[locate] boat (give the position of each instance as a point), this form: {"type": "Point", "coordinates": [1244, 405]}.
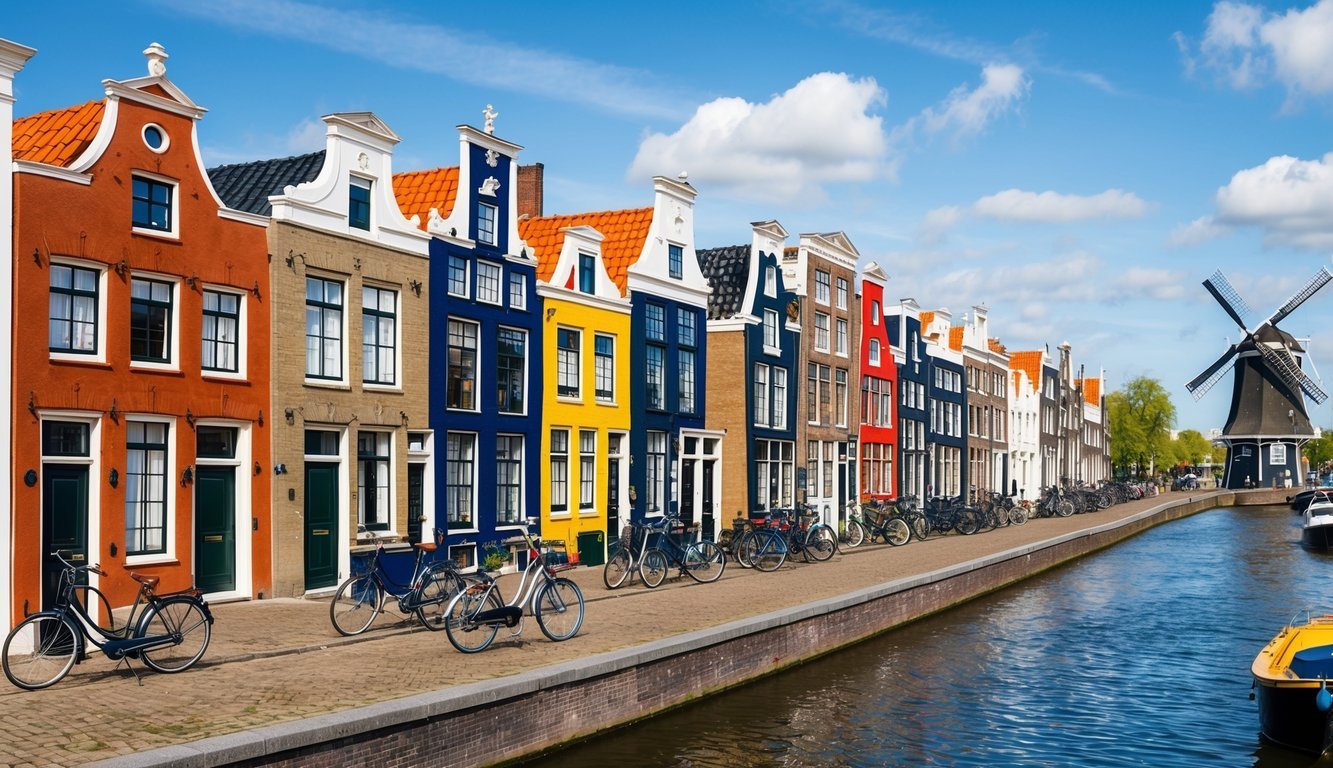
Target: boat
{"type": "Point", "coordinates": [1291, 677]}
{"type": "Point", "coordinates": [1317, 530]}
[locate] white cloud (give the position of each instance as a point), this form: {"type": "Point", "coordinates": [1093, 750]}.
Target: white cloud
{"type": "Point", "coordinates": [937, 223]}
{"type": "Point", "coordinates": [782, 150]}
{"type": "Point", "coordinates": [1288, 199]}
{"type": "Point", "coordinates": [966, 112]}
{"type": "Point", "coordinates": [1247, 46]}
{"type": "Point", "coordinates": [1146, 282]}
{"type": "Point", "coordinates": [307, 136]}
{"type": "Point", "coordinates": [1197, 232]}
{"type": "Point", "coordinates": [1053, 207]}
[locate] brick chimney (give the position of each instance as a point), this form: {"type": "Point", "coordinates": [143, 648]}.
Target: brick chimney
{"type": "Point", "coordinates": [530, 193]}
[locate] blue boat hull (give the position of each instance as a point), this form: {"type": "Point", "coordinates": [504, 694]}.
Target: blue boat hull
{"type": "Point", "coordinates": [1288, 716]}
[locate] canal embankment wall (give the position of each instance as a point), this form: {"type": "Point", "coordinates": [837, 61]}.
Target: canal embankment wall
{"type": "Point", "coordinates": [507, 718]}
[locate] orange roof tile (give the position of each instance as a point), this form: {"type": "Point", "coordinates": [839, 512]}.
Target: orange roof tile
{"type": "Point", "coordinates": [57, 137]}
{"type": "Point", "coordinates": [995, 346]}
{"type": "Point", "coordinates": [420, 191]}
{"type": "Point", "coordinates": [1029, 363]}
{"type": "Point", "coordinates": [956, 337]}
{"type": "Point", "coordinates": [1092, 391]}
{"type": "Point", "coordinates": [624, 231]}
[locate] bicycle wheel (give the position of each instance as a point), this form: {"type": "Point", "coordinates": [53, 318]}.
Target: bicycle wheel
{"type": "Point", "coordinates": [182, 617]}
{"type": "Point", "coordinates": [40, 651]}
{"type": "Point", "coordinates": [738, 548]}
{"type": "Point", "coordinates": [766, 551]}
{"type": "Point", "coordinates": [966, 523]}
{"type": "Point", "coordinates": [617, 570]}
{"type": "Point", "coordinates": [1064, 508]}
{"type": "Point", "coordinates": [1018, 515]}
{"type": "Point", "coordinates": [820, 543]}
{"type": "Point", "coordinates": [896, 532]}
{"type": "Point", "coordinates": [438, 586]}
{"type": "Point", "coordinates": [358, 601]}
{"type": "Point", "coordinates": [559, 609]}
{"type": "Point", "coordinates": [653, 567]}
{"type": "Point", "coordinates": [856, 533]}
{"type": "Point", "coordinates": [921, 527]}
{"type": "Point", "coordinates": [704, 561]}
{"type": "Point", "coordinates": [464, 632]}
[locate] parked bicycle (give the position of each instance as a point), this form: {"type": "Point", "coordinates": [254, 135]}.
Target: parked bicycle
{"type": "Point", "coordinates": [766, 548]}
{"type": "Point", "coordinates": [363, 596]}
{"type": "Point", "coordinates": [876, 519]}
{"type": "Point", "coordinates": [169, 633]}
{"type": "Point", "coordinates": [701, 560]}
{"type": "Point", "coordinates": [950, 514]}
{"type": "Point", "coordinates": [474, 616]}
{"type": "Point", "coordinates": [624, 562]}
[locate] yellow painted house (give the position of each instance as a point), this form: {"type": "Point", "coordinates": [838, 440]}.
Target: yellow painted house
{"type": "Point", "coordinates": [581, 271]}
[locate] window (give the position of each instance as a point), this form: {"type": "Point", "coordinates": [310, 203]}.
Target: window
{"type": "Point", "coordinates": [826, 470]}
{"type": "Point", "coordinates": [771, 338]}
{"type": "Point", "coordinates": [457, 282]}
{"type": "Point", "coordinates": [567, 362]}
{"type": "Point", "coordinates": [841, 337]}
{"type": "Point", "coordinates": [379, 335]}
{"type": "Point", "coordinates": [152, 204]}
{"type": "Point", "coordinates": [676, 260]}
{"type": "Point", "coordinates": [875, 314]}
{"type": "Point", "coordinates": [821, 332]}
{"type": "Point", "coordinates": [64, 438]}
{"type": "Point", "coordinates": [460, 389]}
{"type": "Point", "coordinates": [842, 293]}
{"type": "Point", "coordinates": [604, 384]}
{"type": "Point", "coordinates": [323, 328]}
{"type": "Point", "coordinates": [372, 480]}
{"type": "Point", "coordinates": [771, 282]}
{"type": "Point", "coordinates": [150, 320]}
{"type": "Point", "coordinates": [587, 469]}
{"type": "Point", "coordinates": [321, 442]}
{"type": "Point", "coordinates": [587, 273]}
{"type": "Point", "coordinates": [654, 376]}
{"type": "Point", "coordinates": [459, 478]}
{"type": "Point", "coordinates": [685, 396]}
{"type": "Point", "coordinates": [1277, 453]}
{"type": "Point", "coordinates": [508, 479]}
{"type": "Point", "coordinates": [145, 488]}
{"type": "Point", "coordinates": [654, 322]}
{"type": "Point", "coordinates": [761, 407]}
{"type": "Point", "coordinates": [656, 472]}
{"type": "Point", "coordinates": [775, 472]}
{"type": "Point", "coordinates": [486, 223]}
{"type": "Point", "coordinates": [488, 282]}
{"type": "Point", "coordinates": [685, 327]}
{"type": "Point", "coordinates": [358, 203]}
{"type": "Point", "coordinates": [779, 398]}
{"type": "Point", "coordinates": [510, 362]}
{"type": "Point", "coordinates": [821, 286]}
{"type": "Point", "coordinates": [840, 391]}
{"type": "Point", "coordinates": [221, 332]}
{"type": "Point", "coordinates": [873, 352]}
{"type": "Point", "coordinates": [559, 457]}
{"type": "Point", "coordinates": [812, 393]}
{"type": "Point", "coordinates": [518, 291]}
{"type": "Point", "coordinates": [73, 313]}
{"type": "Point", "coordinates": [825, 412]}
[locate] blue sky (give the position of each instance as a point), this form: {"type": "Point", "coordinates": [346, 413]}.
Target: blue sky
{"type": "Point", "coordinates": [1077, 168]}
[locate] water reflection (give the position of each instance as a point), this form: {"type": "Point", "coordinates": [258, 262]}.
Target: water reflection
{"type": "Point", "coordinates": [1138, 655]}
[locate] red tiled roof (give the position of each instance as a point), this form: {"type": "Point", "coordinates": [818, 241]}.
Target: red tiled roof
{"type": "Point", "coordinates": [995, 346]}
{"type": "Point", "coordinates": [1092, 391]}
{"type": "Point", "coordinates": [1029, 363]}
{"type": "Point", "coordinates": [624, 231]}
{"type": "Point", "coordinates": [956, 337]}
{"type": "Point", "coordinates": [420, 191]}
{"type": "Point", "coordinates": [59, 136]}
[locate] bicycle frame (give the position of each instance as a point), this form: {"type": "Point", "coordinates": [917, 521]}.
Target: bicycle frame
{"type": "Point", "coordinates": [525, 595]}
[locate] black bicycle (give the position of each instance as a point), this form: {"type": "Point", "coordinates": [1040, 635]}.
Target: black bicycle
{"type": "Point", "coordinates": [363, 596]}
{"type": "Point", "coordinates": [169, 633]}
{"type": "Point", "coordinates": [675, 544]}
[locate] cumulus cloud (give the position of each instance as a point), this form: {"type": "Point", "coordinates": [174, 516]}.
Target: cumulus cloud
{"type": "Point", "coordinates": [821, 130]}
{"type": "Point", "coordinates": [1197, 232]}
{"type": "Point", "coordinates": [966, 112]}
{"type": "Point", "coordinates": [1053, 207]}
{"type": "Point", "coordinates": [1145, 282]}
{"type": "Point", "coordinates": [1247, 46]}
{"type": "Point", "coordinates": [937, 223]}
{"type": "Point", "coordinates": [1288, 199]}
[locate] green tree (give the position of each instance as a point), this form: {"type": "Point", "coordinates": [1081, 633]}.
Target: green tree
{"type": "Point", "coordinates": [1140, 418]}
{"type": "Point", "coordinates": [1319, 451]}
{"type": "Point", "coordinates": [1193, 448]}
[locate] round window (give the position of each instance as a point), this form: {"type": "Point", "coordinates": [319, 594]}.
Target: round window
{"type": "Point", "coordinates": [155, 138]}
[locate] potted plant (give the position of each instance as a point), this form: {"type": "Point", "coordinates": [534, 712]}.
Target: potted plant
{"type": "Point", "coordinates": [495, 558]}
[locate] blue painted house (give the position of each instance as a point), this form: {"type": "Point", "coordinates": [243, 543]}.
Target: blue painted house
{"type": "Point", "coordinates": [911, 355]}
{"type": "Point", "coordinates": [754, 337]}
{"type": "Point", "coordinates": [946, 430]}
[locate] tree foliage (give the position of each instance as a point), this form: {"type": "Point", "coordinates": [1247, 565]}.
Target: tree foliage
{"type": "Point", "coordinates": [1192, 448]}
{"type": "Point", "coordinates": [1140, 418]}
{"type": "Point", "coordinates": [1320, 451]}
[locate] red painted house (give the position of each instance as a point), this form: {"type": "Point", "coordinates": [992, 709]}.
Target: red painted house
{"type": "Point", "coordinates": [879, 387]}
{"type": "Point", "coordinates": [141, 355]}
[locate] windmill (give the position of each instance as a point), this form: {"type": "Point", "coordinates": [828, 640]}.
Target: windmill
{"type": "Point", "coordinates": [1268, 421]}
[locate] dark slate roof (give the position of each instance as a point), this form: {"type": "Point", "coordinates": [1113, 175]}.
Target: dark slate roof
{"type": "Point", "coordinates": [247, 186]}
{"type": "Point", "coordinates": [727, 270]}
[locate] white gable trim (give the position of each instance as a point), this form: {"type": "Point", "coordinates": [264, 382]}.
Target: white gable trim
{"type": "Point", "coordinates": [54, 171]}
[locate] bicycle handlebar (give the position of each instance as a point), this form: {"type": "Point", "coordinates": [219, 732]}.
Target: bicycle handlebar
{"type": "Point", "coordinates": [63, 556]}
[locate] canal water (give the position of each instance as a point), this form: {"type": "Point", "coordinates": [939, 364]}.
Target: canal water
{"type": "Point", "coordinates": [1138, 655]}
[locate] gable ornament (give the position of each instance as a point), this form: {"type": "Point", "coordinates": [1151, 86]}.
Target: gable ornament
{"type": "Point", "coordinates": [489, 114]}
{"type": "Point", "coordinates": [492, 158]}
{"type": "Point", "coordinates": [489, 186]}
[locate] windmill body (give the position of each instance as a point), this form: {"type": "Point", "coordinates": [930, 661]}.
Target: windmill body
{"type": "Point", "coordinates": [1268, 422]}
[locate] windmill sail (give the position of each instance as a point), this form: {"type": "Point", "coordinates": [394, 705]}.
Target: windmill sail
{"type": "Point", "coordinates": [1205, 381]}
{"type": "Point", "coordinates": [1319, 280]}
{"type": "Point", "coordinates": [1231, 302]}
{"type": "Point", "coordinates": [1291, 374]}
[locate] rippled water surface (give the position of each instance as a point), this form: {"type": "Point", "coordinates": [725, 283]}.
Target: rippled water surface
{"type": "Point", "coordinates": [1137, 655]}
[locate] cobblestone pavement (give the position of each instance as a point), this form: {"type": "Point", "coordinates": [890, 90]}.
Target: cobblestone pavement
{"type": "Point", "coordinates": [278, 660]}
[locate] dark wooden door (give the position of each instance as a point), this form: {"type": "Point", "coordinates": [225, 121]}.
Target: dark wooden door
{"type": "Point", "coordinates": [321, 525]}
{"type": "Point", "coordinates": [215, 529]}
{"type": "Point", "coordinates": [64, 523]}
{"type": "Point", "coordinates": [687, 510]}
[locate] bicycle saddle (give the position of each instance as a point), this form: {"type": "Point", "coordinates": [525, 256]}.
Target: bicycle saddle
{"type": "Point", "coordinates": [147, 581]}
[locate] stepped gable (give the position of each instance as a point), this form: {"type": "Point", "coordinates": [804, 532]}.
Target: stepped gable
{"type": "Point", "coordinates": [727, 270]}
{"type": "Point", "coordinates": [1028, 362]}
{"type": "Point", "coordinates": [57, 137]}
{"type": "Point", "coordinates": [1092, 391]}
{"type": "Point", "coordinates": [247, 186]}
{"type": "Point", "coordinates": [956, 338]}
{"type": "Point", "coordinates": [420, 191]}
{"type": "Point", "coordinates": [624, 234]}
{"type": "Point", "coordinates": [995, 346]}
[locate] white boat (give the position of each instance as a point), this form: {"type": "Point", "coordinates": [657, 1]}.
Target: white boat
{"type": "Point", "coordinates": [1317, 530]}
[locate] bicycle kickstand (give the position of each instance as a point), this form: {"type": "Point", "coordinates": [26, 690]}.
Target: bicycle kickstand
{"type": "Point", "coordinates": [126, 661]}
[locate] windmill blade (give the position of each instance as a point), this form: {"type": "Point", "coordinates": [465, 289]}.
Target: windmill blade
{"type": "Point", "coordinates": [1291, 374]}
{"type": "Point", "coordinates": [1319, 280]}
{"type": "Point", "coordinates": [1212, 374]}
{"type": "Point", "coordinates": [1231, 302]}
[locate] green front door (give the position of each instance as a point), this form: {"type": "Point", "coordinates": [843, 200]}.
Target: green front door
{"type": "Point", "coordinates": [214, 529]}
{"type": "Point", "coordinates": [64, 523]}
{"type": "Point", "coordinates": [321, 525]}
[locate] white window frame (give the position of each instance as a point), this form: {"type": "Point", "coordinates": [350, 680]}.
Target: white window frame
{"type": "Point", "coordinates": [98, 356]}
{"type": "Point", "coordinates": [169, 509]}
{"type": "Point", "coordinates": [774, 323]}
{"type": "Point", "coordinates": [491, 268]}
{"type": "Point", "coordinates": [173, 342]}
{"type": "Point", "coordinates": [174, 232]}
{"type": "Point", "coordinates": [242, 335]}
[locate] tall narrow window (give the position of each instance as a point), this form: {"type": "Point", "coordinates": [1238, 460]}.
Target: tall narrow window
{"type": "Point", "coordinates": [358, 203]}
{"type": "Point", "coordinates": [323, 328]}
{"type": "Point", "coordinates": [460, 479]}
{"type": "Point", "coordinates": [685, 395]}
{"type": "Point", "coordinates": [654, 322]}
{"type": "Point", "coordinates": [841, 338]}
{"type": "Point", "coordinates": [152, 204]}
{"type": "Point", "coordinates": [518, 291]}
{"type": "Point", "coordinates": [605, 384]}
{"type": "Point", "coordinates": [779, 398]}
{"type": "Point", "coordinates": [488, 282]}
{"type": "Point", "coordinates": [73, 314]}
{"type": "Point", "coordinates": [150, 320]}
{"type": "Point", "coordinates": [379, 335]}
{"type": "Point", "coordinates": [656, 473]}
{"type": "Point", "coordinates": [372, 480]}
{"type": "Point", "coordinates": [567, 362]}
{"type": "Point", "coordinates": [812, 393]}
{"type": "Point", "coordinates": [771, 342]}
{"type": "Point", "coordinates": [587, 469]}
{"type": "Point", "coordinates": [145, 488]}
{"type": "Point", "coordinates": [587, 273]}
{"type": "Point", "coordinates": [559, 457]}
{"type": "Point", "coordinates": [685, 327]}
{"type": "Point", "coordinates": [510, 365]}
{"type": "Point", "coordinates": [821, 332]}
{"type": "Point", "coordinates": [458, 278]}
{"type": "Point", "coordinates": [675, 260]}
{"type": "Point", "coordinates": [873, 351]}
{"type": "Point", "coordinates": [761, 406]}
{"type": "Point", "coordinates": [840, 392]}
{"type": "Point", "coordinates": [771, 282]}
{"type": "Point", "coordinates": [461, 384]}
{"type": "Point", "coordinates": [654, 376]}
{"type": "Point", "coordinates": [821, 286]}
{"type": "Point", "coordinates": [842, 293]}
{"type": "Point", "coordinates": [825, 406]}
{"type": "Point", "coordinates": [221, 332]}
{"type": "Point", "coordinates": [874, 313]}
{"type": "Point", "coordinates": [508, 479]}
{"type": "Point", "coordinates": [486, 223]}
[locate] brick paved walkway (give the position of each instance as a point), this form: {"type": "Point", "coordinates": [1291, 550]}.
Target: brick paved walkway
{"type": "Point", "coordinates": [279, 660]}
